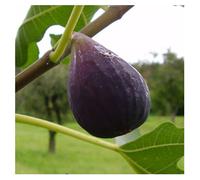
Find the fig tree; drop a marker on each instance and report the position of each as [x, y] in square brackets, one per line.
[108, 97]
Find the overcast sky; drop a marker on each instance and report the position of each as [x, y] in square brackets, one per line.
[144, 30]
[141, 31]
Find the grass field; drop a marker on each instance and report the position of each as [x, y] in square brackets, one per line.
[72, 156]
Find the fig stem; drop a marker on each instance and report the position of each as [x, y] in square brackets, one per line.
[104, 7]
[66, 36]
[67, 131]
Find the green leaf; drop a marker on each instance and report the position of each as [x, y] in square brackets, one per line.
[33, 52]
[37, 21]
[54, 38]
[180, 164]
[156, 152]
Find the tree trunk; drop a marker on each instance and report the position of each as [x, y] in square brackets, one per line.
[56, 108]
[52, 134]
[173, 117]
[52, 142]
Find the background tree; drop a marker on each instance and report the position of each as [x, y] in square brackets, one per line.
[166, 84]
[46, 98]
[172, 79]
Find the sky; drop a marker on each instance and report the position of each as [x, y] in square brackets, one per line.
[143, 30]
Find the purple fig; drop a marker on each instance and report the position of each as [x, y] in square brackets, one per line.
[108, 97]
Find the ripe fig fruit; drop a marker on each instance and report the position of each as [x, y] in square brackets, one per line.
[108, 97]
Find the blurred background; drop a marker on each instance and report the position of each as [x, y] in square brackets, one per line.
[151, 40]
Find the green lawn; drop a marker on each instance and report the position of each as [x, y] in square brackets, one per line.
[72, 156]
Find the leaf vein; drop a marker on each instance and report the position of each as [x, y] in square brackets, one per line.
[136, 164]
[170, 164]
[152, 147]
[39, 14]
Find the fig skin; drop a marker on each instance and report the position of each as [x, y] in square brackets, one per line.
[108, 97]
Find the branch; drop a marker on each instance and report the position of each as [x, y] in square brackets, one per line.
[43, 64]
[35, 70]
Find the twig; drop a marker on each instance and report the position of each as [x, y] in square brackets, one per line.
[43, 64]
[35, 70]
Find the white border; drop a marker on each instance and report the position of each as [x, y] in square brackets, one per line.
[9, 9]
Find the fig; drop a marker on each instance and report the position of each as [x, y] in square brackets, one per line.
[108, 97]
